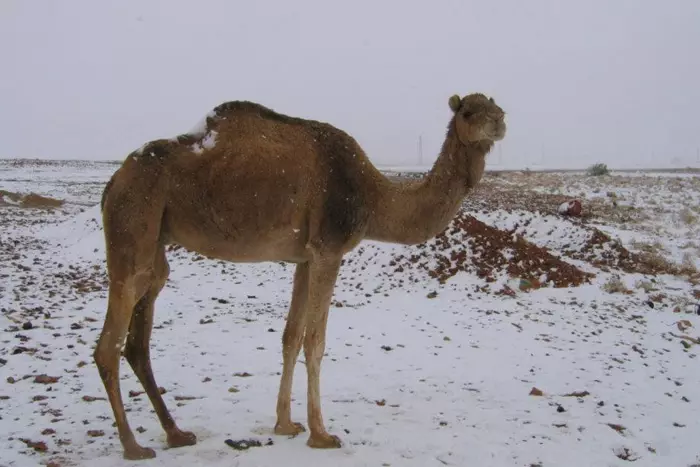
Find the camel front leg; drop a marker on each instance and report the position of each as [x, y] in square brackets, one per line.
[291, 345]
[323, 272]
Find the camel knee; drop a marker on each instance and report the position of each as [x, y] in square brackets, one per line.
[106, 360]
[135, 354]
[314, 347]
[291, 338]
[136, 351]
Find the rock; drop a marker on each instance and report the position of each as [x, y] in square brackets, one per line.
[683, 325]
[93, 399]
[38, 446]
[27, 326]
[619, 428]
[45, 379]
[536, 392]
[571, 208]
[95, 433]
[243, 444]
[578, 394]
[524, 285]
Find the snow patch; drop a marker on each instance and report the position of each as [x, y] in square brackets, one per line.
[208, 142]
[201, 127]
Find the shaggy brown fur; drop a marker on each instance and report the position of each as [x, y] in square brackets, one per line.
[254, 186]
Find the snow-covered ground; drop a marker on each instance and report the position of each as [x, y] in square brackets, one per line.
[418, 371]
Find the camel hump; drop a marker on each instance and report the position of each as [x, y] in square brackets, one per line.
[157, 149]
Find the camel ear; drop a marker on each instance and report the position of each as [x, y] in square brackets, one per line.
[455, 102]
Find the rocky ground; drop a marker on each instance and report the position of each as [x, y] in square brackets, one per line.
[519, 336]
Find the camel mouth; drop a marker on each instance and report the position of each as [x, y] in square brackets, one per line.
[498, 136]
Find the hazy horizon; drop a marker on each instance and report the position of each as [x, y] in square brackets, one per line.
[581, 82]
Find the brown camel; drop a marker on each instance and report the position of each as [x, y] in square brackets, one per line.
[253, 185]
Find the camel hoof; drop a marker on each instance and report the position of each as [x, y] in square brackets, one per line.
[178, 439]
[291, 429]
[138, 453]
[324, 441]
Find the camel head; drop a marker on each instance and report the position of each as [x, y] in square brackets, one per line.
[477, 118]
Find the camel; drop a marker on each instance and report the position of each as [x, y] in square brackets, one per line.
[253, 185]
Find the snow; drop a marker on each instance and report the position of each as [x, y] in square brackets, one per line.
[407, 380]
[201, 126]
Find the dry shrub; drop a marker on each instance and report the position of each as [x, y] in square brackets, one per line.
[687, 217]
[646, 247]
[647, 286]
[615, 285]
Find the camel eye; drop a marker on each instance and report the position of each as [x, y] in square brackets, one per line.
[467, 114]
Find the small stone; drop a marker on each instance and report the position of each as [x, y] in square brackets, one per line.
[45, 379]
[560, 409]
[536, 392]
[243, 444]
[95, 433]
[38, 446]
[27, 326]
[92, 398]
[432, 295]
[233, 389]
[619, 428]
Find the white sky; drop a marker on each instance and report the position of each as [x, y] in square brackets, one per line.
[616, 81]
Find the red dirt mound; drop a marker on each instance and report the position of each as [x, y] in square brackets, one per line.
[472, 246]
[32, 200]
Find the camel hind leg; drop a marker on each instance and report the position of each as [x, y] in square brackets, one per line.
[137, 352]
[133, 205]
[122, 299]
